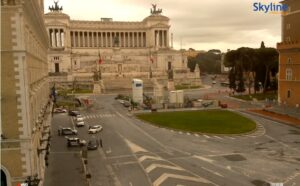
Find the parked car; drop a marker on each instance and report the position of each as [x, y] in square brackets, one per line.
[93, 144]
[94, 129]
[60, 110]
[73, 112]
[67, 131]
[75, 142]
[214, 82]
[79, 123]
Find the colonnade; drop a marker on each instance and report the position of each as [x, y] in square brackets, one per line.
[107, 39]
[57, 37]
[161, 38]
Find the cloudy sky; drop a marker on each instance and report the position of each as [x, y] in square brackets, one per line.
[198, 24]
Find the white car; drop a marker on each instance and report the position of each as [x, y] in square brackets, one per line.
[79, 118]
[94, 129]
[80, 123]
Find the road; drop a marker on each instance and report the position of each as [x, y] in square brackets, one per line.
[135, 153]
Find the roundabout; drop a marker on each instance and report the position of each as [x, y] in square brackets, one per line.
[203, 121]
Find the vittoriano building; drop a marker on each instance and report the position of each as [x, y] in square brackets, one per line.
[119, 51]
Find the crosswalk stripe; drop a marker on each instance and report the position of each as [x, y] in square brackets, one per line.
[218, 137]
[206, 136]
[196, 135]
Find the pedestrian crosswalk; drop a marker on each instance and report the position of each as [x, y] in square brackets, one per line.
[99, 115]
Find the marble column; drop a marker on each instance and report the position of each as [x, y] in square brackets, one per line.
[62, 38]
[163, 38]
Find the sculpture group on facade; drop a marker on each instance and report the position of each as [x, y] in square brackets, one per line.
[154, 10]
[55, 7]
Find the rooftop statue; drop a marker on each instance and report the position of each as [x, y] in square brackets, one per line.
[155, 11]
[55, 8]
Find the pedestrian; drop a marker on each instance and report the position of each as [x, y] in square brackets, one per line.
[100, 141]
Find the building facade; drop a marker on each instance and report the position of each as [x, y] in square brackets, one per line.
[289, 56]
[25, 105]
[127, 49]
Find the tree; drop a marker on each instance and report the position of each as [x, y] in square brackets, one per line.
[231, 58]
[269, 58]
[209, 62]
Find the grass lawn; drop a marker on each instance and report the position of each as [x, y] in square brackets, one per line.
[209, 121]
[260, 96]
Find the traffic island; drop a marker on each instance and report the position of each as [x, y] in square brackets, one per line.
[204, 121]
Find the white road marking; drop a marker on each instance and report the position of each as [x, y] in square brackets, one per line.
[154, 166]
[188, 134]
[165, 176]
[231, 137]
[218, 137]
[134, 148]
[196, 135]
[141, 159]
[206, 136]
[204, 159]
[213, 172]
[180, 132]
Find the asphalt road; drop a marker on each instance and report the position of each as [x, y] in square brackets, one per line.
[135, 153]
[142, 154]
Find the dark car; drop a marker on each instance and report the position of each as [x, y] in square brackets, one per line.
[93, 144]
[67, 131]
[75, 142]
[73, 112]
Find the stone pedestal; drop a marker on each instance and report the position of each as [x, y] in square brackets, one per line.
[171, 85]
[98, 87]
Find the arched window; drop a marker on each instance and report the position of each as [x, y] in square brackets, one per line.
[3, 178]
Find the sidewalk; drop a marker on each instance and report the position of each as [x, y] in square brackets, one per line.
[283, 118]
[293, 112]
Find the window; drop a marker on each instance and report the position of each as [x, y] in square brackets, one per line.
[56, 58]
[289, 74]
[288, 94]
[56, 67]
[289, 60]
[288, 26]
[288, 39]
